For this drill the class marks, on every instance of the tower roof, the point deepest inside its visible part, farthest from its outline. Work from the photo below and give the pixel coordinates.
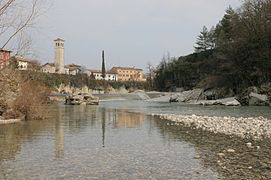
(59, 39)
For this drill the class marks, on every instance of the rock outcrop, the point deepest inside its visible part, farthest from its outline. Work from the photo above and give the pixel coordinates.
(141, 94)
(81, 99)
(197, 96)
(225, 102)
(256, 99)
(256, 96)
(187, 96)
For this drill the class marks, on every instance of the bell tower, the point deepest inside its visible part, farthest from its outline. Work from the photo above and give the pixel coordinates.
(59, 55)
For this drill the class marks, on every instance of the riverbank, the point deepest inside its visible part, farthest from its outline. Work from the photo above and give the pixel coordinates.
(11, 121)
(209, 97)
(256, 128)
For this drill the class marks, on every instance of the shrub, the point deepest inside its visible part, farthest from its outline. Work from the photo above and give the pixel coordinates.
(31, 100)
(3, 106)
(12, 114)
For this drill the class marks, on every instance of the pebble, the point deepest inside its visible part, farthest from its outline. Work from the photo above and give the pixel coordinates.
(196, 157)
(230, 150)
(249, 145)
(256, 128)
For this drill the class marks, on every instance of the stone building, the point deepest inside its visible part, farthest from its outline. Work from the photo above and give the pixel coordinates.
(59, 56)
(97, 74)
(23, 63)
(129, 74)
(4, 58)
(48, 68)
(72, 69)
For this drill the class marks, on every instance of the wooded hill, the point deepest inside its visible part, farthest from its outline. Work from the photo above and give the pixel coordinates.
(234, 55)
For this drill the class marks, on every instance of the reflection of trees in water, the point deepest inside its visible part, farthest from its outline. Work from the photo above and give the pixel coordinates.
(207, 145)
(14, 135)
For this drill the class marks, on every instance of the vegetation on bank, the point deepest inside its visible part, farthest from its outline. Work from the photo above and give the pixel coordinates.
(21, 97)
(233, 55)
(25, 93)
(79, 81)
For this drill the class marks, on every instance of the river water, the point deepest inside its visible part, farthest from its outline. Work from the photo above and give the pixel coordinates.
(120, 140)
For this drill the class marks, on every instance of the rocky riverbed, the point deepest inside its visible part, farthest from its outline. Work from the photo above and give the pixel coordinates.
(256, 128)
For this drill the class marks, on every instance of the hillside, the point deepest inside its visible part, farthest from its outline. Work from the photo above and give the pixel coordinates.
(232, 57)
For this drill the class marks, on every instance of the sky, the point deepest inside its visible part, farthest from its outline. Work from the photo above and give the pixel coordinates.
(131, 32)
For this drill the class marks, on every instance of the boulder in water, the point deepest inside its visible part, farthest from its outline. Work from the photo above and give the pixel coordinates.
(256, 99)
(225, 102)
(79, 99)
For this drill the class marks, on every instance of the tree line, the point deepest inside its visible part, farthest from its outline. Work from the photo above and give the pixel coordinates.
(234, 54)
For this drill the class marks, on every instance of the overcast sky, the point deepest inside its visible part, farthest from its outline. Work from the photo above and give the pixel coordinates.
(132, 32)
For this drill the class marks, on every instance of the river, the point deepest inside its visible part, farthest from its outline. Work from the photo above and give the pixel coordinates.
(121, 140)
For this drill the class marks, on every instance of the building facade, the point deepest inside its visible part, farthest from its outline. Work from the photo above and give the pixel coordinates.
(97, 74)
(4, 58)
(23, 63)
(48, 68)
(129, 74)
(59, 56)
(72, 69)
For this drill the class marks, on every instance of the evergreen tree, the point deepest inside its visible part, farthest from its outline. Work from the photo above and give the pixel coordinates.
(225, 28)
(239, 58)
(205, 40)
(103, 65)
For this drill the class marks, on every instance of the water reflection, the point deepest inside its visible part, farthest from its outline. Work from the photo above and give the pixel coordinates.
(116, 119)
(109, 142)
(59, 142)
(76, 118)
(103, 125)
(89, 141)
(13, 136)
(129, 120)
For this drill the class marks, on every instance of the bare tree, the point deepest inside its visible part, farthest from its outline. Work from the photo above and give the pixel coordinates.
(16, 17)
(151, 74)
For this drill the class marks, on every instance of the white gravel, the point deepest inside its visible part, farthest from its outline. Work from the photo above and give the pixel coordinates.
(256, 128)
